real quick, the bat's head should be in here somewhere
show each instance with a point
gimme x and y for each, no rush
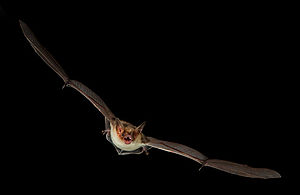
(128, 132)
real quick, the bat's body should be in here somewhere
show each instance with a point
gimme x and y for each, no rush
(129, 139)
(132, 139)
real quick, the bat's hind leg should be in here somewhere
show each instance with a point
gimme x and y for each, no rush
(145, 149)
(121, 152)
(137, 151)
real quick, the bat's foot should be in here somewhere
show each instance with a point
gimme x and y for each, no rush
(104, 132)
(145, 150)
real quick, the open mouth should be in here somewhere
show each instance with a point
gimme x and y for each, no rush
(127, 139)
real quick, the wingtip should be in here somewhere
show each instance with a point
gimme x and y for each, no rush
(268, 174)
(274, 175)
(21, 22)
(243, 170)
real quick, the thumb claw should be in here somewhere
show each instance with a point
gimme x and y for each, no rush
(203, 164)
(105, 131)
(66, 84)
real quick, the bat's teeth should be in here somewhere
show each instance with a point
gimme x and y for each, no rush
(127, 139)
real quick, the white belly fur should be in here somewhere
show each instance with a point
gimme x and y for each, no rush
(126, 147)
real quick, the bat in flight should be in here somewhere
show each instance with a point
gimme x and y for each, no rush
(128, 138)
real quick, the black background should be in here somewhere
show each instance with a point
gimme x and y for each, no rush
(214, 78)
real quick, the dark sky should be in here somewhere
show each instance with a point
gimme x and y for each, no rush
(210, 79)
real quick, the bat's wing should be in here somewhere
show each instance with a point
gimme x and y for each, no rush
(242, 170)
(177, 149)
(229, 167)
(54, 65)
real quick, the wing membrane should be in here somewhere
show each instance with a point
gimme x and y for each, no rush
(242, 170)
(229, 167)
(42, 52)
(177, 149)
(55, 66)
(93, 98)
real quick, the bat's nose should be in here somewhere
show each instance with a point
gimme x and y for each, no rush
(128, 139)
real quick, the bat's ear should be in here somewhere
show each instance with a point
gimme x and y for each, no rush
(141, 127)
(119, 124)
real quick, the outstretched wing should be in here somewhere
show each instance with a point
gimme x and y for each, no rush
(229, 167)
(242, 170)
(177, 149)
(42, 52)
(54, 65)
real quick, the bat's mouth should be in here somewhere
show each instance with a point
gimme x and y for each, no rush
(127, 139)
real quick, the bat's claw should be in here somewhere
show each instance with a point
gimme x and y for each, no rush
(203, 164)
(145, 150)
(66, 84)
(104, 132)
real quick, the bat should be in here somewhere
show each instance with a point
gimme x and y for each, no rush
(128, 138)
